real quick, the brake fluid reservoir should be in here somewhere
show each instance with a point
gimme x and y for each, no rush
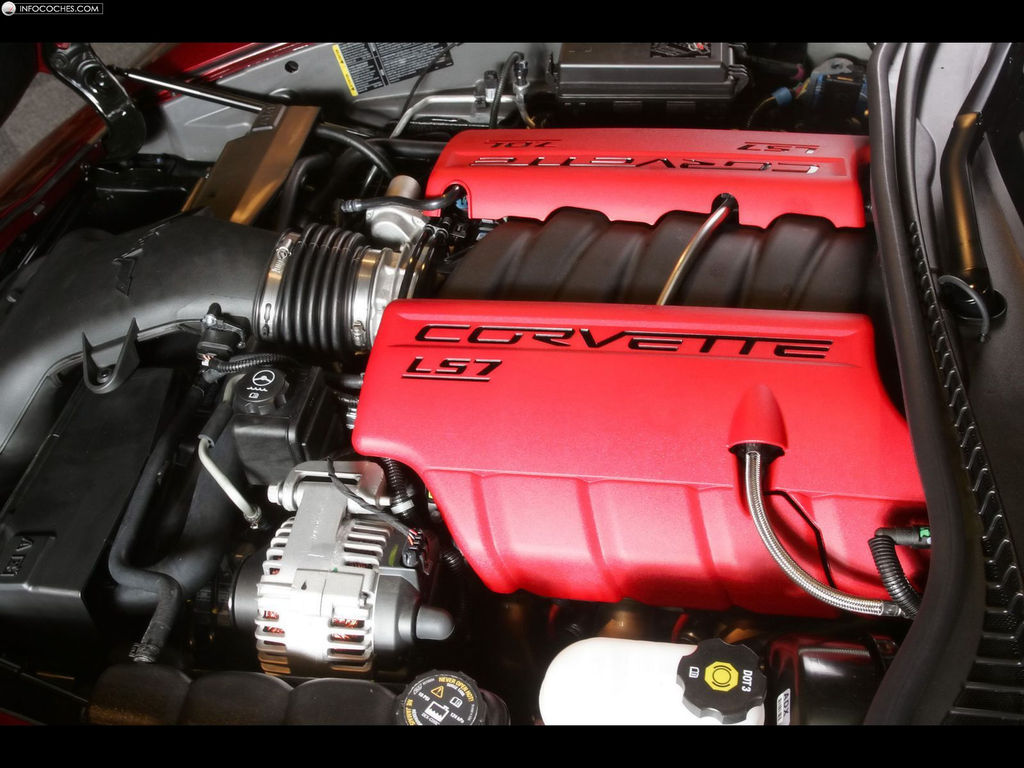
(610, 681)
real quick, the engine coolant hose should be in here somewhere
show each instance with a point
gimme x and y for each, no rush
(164, 586)
(194, 557)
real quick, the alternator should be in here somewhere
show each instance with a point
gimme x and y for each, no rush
(341, 590)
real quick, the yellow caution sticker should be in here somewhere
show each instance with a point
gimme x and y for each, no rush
(344, 70)
(439, 691)
(721, 676)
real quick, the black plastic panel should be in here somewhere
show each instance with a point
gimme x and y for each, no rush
(55, 527)
(151, 694)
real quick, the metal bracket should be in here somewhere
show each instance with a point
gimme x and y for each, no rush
(102, 381)
(367, 478)
(78, 67)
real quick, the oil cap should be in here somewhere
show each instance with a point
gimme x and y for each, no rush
(449, 698)
(722, 681)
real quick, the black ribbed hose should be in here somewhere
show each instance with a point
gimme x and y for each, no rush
(402, 503)
(315, 295)
(883, 550)
(241, 363)
(454, 563)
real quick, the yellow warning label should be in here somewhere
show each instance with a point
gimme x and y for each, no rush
(439, 691)
(721, 676)
(344, 70)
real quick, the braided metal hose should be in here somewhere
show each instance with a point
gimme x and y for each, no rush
(835, 598)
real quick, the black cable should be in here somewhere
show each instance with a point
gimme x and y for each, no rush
(337, 133)
(423, 74)
(450, 195)
(883, 550)
(506, 69)
(363, 506)
(240, 363)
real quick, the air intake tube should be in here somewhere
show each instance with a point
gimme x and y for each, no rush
(321, 291)
(326, 288)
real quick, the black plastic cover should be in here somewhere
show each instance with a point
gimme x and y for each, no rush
(55, 527)
(152, 694)
(95, 284)
(679, 72)
(823, 681)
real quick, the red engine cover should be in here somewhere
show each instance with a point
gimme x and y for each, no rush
(642, 174)
(581, 450)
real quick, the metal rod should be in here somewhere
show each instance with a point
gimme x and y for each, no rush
(450, 100)
(720, 214)
(211, 93)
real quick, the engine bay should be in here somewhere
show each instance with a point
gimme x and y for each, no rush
(496, 390)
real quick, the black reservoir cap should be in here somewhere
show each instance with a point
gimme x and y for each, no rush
(260, 392)
(449, 698)
(722, 681)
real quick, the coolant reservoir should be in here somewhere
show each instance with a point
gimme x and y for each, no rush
(611, 681)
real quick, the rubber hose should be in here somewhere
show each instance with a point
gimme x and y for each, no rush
(344, 167)
(196, 555)
(218, 420)
(290, 191)
(375, 156)
(883, 550)
(164, 586)
(414, 149)
(452, 194)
